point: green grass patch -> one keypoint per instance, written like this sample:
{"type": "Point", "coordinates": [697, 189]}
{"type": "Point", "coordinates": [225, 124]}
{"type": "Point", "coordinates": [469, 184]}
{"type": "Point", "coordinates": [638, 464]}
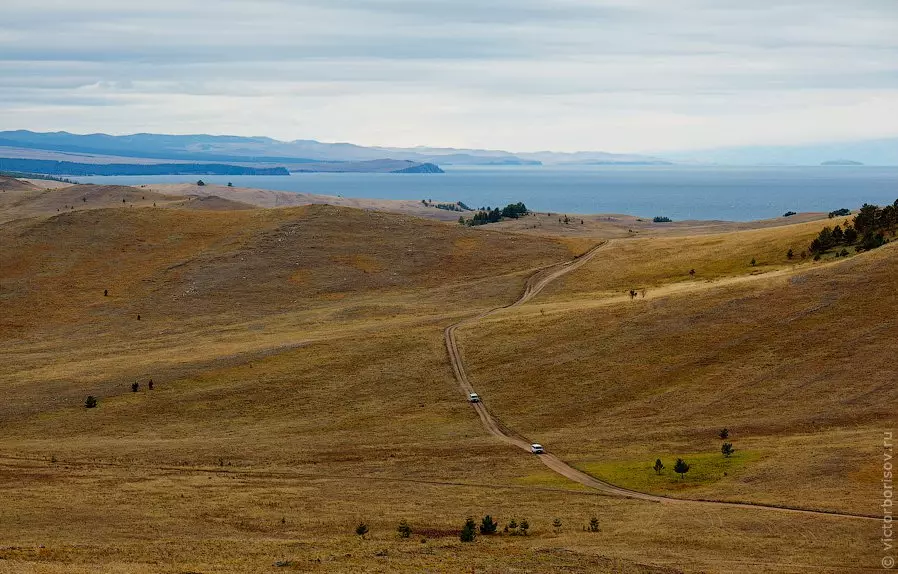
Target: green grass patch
{"type": "Point", "coordinates": [706, 469]}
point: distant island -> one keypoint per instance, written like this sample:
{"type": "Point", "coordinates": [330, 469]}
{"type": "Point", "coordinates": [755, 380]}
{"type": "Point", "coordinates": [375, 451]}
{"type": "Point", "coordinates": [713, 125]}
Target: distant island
{"type": "Point", "coordinates": [841, 162]}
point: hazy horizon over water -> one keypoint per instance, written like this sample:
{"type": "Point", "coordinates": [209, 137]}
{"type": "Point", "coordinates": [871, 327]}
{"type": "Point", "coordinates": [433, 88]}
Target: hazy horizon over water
{"type": "Point", "coordinates": [678, 192]}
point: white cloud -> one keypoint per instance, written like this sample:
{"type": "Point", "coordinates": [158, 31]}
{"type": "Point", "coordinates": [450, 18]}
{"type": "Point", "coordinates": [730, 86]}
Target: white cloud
{"type": "Point", "coordinates": [514, 74]}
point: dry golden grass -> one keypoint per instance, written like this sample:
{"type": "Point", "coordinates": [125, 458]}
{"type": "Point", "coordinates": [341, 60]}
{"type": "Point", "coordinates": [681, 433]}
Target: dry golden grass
{"type": "Point", "coordinates": [302, 385]}
{"type": "Point", "coordinates": [799, 367]}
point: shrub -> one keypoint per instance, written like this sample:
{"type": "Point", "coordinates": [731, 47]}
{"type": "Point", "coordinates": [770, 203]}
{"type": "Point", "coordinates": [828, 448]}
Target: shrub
{"type": "Point", "coordinates": [361, 529]}
{"type": "Point", "coordinates": [556, 525]}
{"type": "Point", "coordinates": [593, 524]}
{"type": "Point", "coordinates": [525, 527]}
{"type": "Point", "coordinates": [659, 466]}
{"type": "Point", "coordinates": [724, 434]}
{"type": "Point", "coordinates": [790, 254]}
{"type": "Point", "coordinates": [135, 387]}
{"type": "Point", "coordinates": [753, 262]}
{"type": "Point", "coordinates": [512, 527]}
{"type": "Point", "coordinates": [90, 402]}
{"type": "Point", "coordinates": [727, 449]}
{"type": "Point", "coordinates": [488, 525]}
{"type": "Point", "coordinates": [201, 183]}
{"type": "Point", "coordinates": [681, 467]}
{"type": "Point", "coordinates": [404, 530]}
{"type": "Point", "coordinates": [468, 531]}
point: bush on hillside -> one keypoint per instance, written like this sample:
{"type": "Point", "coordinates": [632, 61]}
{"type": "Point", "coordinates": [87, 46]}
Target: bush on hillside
{"type": "Point", "coordinates": [488, 525]}
{"type": "Point", "coordinates": [404, 530]}
{"type": "Point", "coordinates": [361, 529]}
{"type": "Point", "coordinates": [681, 467]}
{"type": "Point", "coordinates": [468, 531]}
{"type": "Point", "coordinates": [593, 524]}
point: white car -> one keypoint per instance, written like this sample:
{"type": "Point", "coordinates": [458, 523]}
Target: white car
{"type": "Point", "coordinates": [474, 398]}
{"type": "Point", "coordinates": [537, 448]}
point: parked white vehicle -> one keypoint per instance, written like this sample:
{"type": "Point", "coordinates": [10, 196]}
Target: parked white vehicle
{"type": "Point", "coordinates": [474, 398]}
{"type": "Point", "coordinates": [536, 448]}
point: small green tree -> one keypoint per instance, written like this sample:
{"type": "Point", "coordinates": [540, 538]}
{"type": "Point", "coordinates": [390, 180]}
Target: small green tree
{"type": "Point", "coordinates": [681, 467]}
{"type": "Point", "coordinates": [659, 466]}
{"type": "Point", "coordinates": [468, 531]}
{"type": "Point", "coordinates": [593, 524]}
{"type": "Point", "coordinates": [753, 262]}
{"type": "Point", "coordinates": [790, 254]}
{"type": "Point", "coordinates": [90, 402]}
{"type": "Point", "coordinates": [724, 434]}
{"type": "Point", "coordinates": [525, 527]}
{"type": "Point", "coordinates": [361, 529]}
{"type": "Point", "coordinates": [488, 525]}
{"type": "Point", "coordinates": [727, 449]}
{"type": "Point", "coordinates": [201, 183]}
{"type": "Point", "coordinates": [135, 387]}
{"type": "Point", "coordinates": [512, 527]}
{"type": "Point", "coordinates": [556, 525]}
{"type": "Point", "coordinates": [404, 530]}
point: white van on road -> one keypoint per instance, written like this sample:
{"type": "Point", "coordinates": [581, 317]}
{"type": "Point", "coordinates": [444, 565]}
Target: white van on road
{"type": "Point", "coordinates": [536, 448]}
{"type": "Point", "coordinates": [474, 398]}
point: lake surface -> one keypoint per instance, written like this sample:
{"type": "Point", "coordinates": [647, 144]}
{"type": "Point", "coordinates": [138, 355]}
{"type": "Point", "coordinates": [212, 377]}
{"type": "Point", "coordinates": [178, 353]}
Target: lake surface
{"type": "Point", "coordinates": [678, 192]}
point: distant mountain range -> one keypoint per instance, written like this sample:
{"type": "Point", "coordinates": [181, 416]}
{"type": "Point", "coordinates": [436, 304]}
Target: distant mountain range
{"type": "Point", "coordinates": [264, 154]}
{"type": "Point", "coordinates": [258, 151]}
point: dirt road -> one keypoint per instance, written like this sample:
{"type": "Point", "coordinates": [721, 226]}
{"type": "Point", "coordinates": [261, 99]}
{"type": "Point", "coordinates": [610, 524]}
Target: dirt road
{"type": "Point", "coordinates": [536, 283]}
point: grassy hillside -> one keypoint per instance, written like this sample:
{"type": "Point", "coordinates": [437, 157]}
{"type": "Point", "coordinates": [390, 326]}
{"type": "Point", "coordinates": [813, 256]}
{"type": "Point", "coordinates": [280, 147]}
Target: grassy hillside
{"type": "Point", "coordinates": [798, 366]}
{"type": "Point", "coordinates": [301, 385]}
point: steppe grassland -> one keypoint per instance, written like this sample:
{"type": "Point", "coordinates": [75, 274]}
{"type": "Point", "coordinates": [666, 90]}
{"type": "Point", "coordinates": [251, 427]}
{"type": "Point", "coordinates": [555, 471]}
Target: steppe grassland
{"type": "Point", "coordinates": [290, 407]}
{"type": "Point", "coordinates": [798, 365]}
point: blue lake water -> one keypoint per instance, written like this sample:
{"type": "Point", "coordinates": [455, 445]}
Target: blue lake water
{"type": "Point", "coordinates": [678, 192]}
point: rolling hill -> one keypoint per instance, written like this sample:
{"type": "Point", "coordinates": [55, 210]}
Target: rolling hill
{"type": "Point", "coordinates": [302, 386]}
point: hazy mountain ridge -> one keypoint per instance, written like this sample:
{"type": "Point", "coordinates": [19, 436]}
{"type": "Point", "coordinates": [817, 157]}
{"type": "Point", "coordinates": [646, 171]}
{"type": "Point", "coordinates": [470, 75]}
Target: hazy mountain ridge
{"type": "Point", "coordinates": [268, 150]}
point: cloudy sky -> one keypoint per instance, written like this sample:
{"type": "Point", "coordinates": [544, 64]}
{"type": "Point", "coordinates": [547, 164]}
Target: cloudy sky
{"type": "Point", "coordinates": [523, 75]}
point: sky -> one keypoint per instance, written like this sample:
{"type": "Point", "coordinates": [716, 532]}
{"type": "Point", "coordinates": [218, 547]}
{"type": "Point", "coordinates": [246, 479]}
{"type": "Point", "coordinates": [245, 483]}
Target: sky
{"type": "Point", "coordinates": [520, 75]}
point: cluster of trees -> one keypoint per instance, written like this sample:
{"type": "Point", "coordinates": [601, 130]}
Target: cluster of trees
{"type": "Point", "coordinates": [681, 467]}
{"type": "Point", "coordinates": [867, 231]}
{"type": "Point", "coordinates": [493, 215]}
{"type": "Point", "coordinates": [661, 219]}
{"type": "Point", "coordinates": [839, 213]}
{"type": "Point", "coordinates": [457, 206]}
{"type": "Point", "coordinates": [488, 527]}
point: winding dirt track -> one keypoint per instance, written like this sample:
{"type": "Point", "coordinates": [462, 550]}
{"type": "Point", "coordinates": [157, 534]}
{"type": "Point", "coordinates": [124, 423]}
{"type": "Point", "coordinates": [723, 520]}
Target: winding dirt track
{"type": "Point", "coordinates": [536, 283]}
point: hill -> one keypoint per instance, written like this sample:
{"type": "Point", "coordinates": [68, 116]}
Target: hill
{"type": "Point", "coordinates": [302, 385]}
{"type": "Point", "coordinates": [13, 184]}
